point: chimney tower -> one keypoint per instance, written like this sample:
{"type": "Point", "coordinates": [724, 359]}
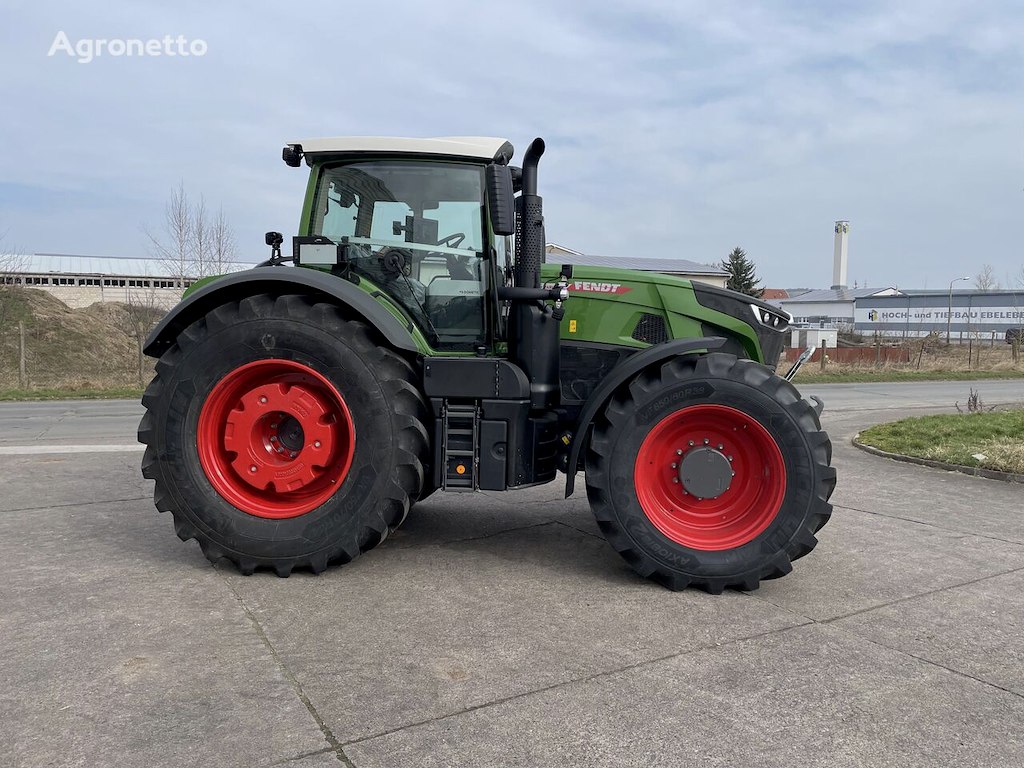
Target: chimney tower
{"type": "Point", "coordinates": [840, 254]}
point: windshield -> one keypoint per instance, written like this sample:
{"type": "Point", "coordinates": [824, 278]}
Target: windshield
{"type": "Point", "coordinates": [416, 229]}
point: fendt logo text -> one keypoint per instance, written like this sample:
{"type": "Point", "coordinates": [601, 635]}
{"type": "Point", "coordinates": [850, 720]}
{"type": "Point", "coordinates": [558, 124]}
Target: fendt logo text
{"type": "Point", "coordinates": [583, 286]}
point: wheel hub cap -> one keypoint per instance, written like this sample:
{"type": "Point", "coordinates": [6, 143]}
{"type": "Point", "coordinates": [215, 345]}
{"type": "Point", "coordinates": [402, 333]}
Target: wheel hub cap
{"type": "Point", "coordinates": [705, 473]}
{"type": "Point", "coordinates": [289, 458]}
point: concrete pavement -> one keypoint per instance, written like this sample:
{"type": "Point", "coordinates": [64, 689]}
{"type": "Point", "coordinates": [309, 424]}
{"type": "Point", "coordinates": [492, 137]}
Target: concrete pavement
{"type": "Point", "coordinates": [502, 630]}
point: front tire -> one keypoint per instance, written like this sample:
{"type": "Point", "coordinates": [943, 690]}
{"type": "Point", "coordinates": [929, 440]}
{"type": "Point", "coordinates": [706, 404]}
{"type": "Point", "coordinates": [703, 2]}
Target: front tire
{"type": "Point", "coordinates": [281, 434]}
{"type": "Point", "coordinates": [711, 472]}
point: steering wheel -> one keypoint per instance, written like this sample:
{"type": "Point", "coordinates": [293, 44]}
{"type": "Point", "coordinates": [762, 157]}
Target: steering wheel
{"type": "Point", "coordinates": [458, 237]}
{"type": "Point", "coordinates": [396, 261]}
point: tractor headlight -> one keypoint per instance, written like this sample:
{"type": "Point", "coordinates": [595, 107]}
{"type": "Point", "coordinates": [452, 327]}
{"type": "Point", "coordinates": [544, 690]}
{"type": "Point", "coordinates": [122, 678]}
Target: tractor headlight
{"type": "Point", "coordinates": [777, 319]}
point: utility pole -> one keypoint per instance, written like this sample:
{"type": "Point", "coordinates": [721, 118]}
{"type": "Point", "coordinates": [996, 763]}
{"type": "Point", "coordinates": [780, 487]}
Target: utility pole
{"type": "Point", "coordinates": [949, 316]}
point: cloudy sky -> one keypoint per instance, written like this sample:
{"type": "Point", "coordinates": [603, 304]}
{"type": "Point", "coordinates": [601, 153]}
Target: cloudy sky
{"type": "Point", "coordinates": [674, 129]}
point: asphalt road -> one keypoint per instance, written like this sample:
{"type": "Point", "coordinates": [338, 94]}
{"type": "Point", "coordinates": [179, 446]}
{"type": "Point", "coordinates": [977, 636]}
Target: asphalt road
{"type": "Point", "coordinates": [113, 422]}
{"type": "Point", "coordinates": [502, 630]}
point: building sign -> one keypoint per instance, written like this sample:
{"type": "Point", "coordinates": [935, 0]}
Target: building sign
{"type": "Point", "coordinates": [918, 315]}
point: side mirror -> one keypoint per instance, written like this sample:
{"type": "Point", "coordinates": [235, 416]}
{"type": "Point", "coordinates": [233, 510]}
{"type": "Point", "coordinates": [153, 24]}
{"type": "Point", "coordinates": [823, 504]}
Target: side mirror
{"type": "Point", "coordinates": [292, 155]}
{"type": "Point", "coordinates": [500, 199]}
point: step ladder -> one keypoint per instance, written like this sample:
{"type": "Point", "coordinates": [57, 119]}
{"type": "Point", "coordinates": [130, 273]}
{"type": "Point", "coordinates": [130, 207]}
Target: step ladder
{"type": "Point", "coordinates": [460, 442]}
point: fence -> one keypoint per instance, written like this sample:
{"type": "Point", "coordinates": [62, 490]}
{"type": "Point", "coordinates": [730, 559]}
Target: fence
{"type": "Point", "coordinates": [923, 354]}
{"type": "Point", "coordinates": [856, 355]}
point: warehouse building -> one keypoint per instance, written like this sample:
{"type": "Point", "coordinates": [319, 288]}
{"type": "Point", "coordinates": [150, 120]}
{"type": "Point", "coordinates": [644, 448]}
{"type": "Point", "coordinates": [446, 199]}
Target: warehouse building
{"type": "Point", "coordinates": [832, 308]}
{"type": "Point", "coordinates": [691, 270]}
{"type": "Point", "coordinates": [79, 281]}
{"type": "Point", "coordinates": [961, 314]}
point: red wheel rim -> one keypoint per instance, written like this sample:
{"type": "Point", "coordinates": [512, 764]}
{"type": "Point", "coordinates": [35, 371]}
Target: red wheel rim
{"type": "Point", "coordinates": [731, 440]}
{"type": "Point", "coordinates": [275, 438]}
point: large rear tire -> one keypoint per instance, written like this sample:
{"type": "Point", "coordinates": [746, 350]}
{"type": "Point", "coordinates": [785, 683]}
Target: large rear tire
{"type": "Point", "coordinates": [711, 472]}
{"type": "Point", "coordinates": [282, 434]}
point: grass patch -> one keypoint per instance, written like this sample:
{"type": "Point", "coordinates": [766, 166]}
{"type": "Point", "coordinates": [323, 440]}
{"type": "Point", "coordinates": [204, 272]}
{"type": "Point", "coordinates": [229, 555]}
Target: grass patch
{"type": "Point", "coordinates": [805, 376]}
{"type": "Point", "coordinates": [57, 393]}
{"type": "Point", "coordinates": [998, 436]}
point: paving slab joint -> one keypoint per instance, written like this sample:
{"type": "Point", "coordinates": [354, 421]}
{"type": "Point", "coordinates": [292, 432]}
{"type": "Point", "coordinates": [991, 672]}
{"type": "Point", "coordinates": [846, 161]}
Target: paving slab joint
{"type": "Point", "coordinates": [335, 745]}
{"type": "Point", "coordinates": [578, 680]}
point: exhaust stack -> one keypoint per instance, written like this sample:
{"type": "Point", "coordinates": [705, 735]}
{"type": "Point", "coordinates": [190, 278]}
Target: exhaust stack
{"type": "Point", "coordinates": [530, 221]}
{"type": "Point", "coordinates": [533, 328]}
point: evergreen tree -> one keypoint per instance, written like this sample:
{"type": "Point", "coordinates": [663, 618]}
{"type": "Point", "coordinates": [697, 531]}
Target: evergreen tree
{"type": "Point", "coordinates": [742, 276]}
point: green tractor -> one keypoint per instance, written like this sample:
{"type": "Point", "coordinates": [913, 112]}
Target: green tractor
{"type": "Point", "coordinates": [410, 344]}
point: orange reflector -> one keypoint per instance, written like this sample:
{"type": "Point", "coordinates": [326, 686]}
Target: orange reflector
{"type": "Point", "coordinates": [461, 469]}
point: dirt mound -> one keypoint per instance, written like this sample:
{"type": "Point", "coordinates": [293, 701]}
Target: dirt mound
{"type": "Point", "coordinates": [94, 347]}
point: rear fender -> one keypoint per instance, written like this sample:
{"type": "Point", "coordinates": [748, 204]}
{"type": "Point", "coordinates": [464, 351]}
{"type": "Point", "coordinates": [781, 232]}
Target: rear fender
{"type": "Point", "coordinates": [620, 374]}
{"type": "Point", "coordinates": [278, 280]}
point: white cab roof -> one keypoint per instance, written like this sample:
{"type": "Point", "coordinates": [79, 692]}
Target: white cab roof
{"type": "Point", "coordinates": [482, 147]}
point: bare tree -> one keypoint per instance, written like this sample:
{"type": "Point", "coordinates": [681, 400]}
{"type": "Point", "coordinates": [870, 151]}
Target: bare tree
{"type": "Point", "coordinates": [985, 280]}
{"type": "Point", "coordinates": [222, 239]}
{"type": "Point", "coordinates": [201, 246]}
{"type": "Point", "coordinates": [191, 243]}
{"type": "Point", "coordinates": [1019, 278]}
{"type": "Point", "coordinates": [11, 263]}
{"type": "Point", "coordinates": [173, 245]}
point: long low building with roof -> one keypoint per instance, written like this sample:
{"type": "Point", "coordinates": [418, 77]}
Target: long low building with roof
{"type": "Point", "coordinates": [691, 270]}
{"type": "Point", "coordinates": [79, 281]}
{"type": "Point", "coordinates": [831, 308]}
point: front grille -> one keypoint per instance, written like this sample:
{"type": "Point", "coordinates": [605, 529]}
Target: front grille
{"type": "Point", "coordinates": [651, 329]}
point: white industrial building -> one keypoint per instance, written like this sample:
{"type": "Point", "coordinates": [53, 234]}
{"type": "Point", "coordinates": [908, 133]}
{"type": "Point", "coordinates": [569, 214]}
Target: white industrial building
{"type": "Point", "coordinates": [963, 315]}
{"type": "Point", "coordinates": [832, 308]}
{"type": "Point", "coordinates": [79, 281]}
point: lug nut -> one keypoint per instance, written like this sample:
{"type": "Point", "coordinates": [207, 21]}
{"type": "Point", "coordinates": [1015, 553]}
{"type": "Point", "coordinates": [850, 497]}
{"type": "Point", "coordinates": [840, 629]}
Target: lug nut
{"type": "Point", "coordinates": [720, 446]}
{"type": "Point", "coordinates": [316, 443]}
{"type": "Point", "coordinates": [673, 466]}
{"type": "Point", "coordinates": [252, 468]}
{"type": "Point", "coordinates": [293, 454]}
{"type": "Point", "coordinates": [679, 451]}
{"type": "Point", "coordinates": [273, 438]}
{"type": "Point", "coordinates": [675, 479]}
{"type": "Point", "coordinates": [263, 398]}
{"type": "Point", "coordinates": [706, 441]}
{"type": "Point", "coordinates": [691, 443]}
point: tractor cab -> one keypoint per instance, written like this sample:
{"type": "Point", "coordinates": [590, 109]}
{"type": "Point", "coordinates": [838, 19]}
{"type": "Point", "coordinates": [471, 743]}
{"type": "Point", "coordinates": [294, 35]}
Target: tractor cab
{"type": "Point", "coordinates": [411, 217]}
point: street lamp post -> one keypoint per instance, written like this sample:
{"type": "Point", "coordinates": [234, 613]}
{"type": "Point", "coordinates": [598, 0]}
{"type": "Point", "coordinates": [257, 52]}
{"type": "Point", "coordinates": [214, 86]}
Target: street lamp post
{"type": "Point", "coordinates": [949, 315]}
